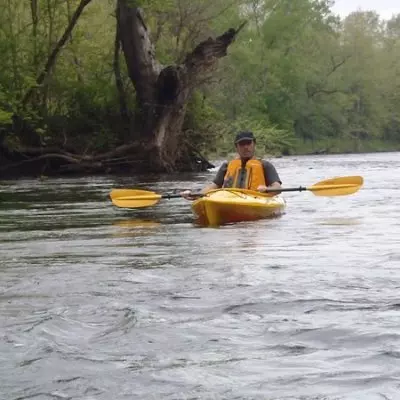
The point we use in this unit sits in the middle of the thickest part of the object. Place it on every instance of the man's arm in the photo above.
(271, 177)
(275, 185)
(219, 178)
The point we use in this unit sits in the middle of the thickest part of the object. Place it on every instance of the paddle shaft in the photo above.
(177, 195)
(297, 189)
(293, 189)
(272, 190)
(174, 196)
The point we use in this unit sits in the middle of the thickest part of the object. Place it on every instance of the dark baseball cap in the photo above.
(245, 135)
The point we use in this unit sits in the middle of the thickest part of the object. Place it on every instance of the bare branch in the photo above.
(319, 89)
(53, 55)
(208, 51)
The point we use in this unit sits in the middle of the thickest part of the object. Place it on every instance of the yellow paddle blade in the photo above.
(134, 198)
(115, 193)
(341, 186)
(136, 202)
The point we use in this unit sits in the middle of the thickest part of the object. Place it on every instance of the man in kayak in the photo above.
(245, 172)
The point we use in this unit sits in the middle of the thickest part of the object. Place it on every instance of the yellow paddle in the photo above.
(135, 198)
(341, 186)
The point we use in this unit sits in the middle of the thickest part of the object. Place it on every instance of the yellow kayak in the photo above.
(224, 206)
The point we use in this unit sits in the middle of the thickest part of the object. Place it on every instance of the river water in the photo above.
(98, 302)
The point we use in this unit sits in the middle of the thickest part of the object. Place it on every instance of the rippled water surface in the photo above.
(98, 302)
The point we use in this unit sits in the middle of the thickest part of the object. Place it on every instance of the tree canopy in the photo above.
(297, 75)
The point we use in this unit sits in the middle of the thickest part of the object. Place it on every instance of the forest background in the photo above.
(301, 78)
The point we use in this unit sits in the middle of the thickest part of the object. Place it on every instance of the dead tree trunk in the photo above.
(162, 95)
(163, 92)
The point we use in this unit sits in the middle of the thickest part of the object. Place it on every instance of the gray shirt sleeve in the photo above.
(219, 178)
(271, 175)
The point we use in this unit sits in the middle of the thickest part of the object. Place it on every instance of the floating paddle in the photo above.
(135, 198)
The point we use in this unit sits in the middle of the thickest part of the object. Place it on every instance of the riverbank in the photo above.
(299, 148)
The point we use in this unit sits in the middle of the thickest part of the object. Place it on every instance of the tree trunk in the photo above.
(155, 140)
(163, 92)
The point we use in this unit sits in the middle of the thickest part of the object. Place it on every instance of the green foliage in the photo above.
(202, 124)
(296, 75)
(5, 117)
(304, 71)
(5, 114)
(270, 139)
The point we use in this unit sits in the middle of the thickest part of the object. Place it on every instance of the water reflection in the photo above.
(136, 223)
(135, 227)
(341, 221)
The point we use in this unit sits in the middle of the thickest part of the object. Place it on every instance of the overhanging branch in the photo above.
(205, 55)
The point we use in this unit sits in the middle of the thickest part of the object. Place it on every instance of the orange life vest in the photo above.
(249, 176)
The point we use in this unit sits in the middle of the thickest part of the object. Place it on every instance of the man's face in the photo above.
(245, 148)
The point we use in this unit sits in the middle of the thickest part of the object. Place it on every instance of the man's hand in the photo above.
(262, 188)
(187, 194)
